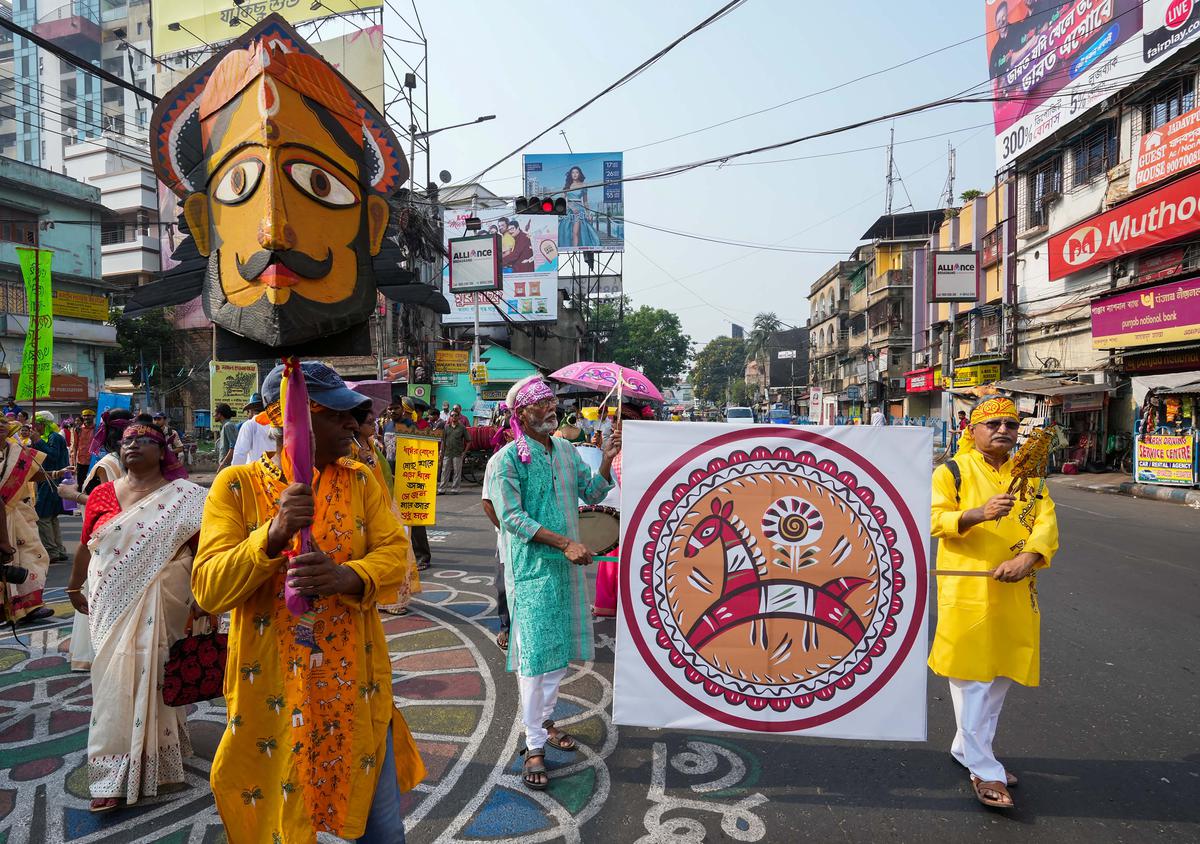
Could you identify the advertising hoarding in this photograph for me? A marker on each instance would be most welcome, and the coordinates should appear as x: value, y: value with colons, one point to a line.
x: 955, y: 277
x: 601, y: 286
x: 1167, y: 151
x: 474, y: 263
x: 231, y: 382
x: 1168, y: 313
x: 591, y: 183
x: 1149, y: 220
x: 974, y: 376
x: 1165, y: 460
x: 358, y: 56
x: 1050, y: 62
x: 206, y: 22
x: 922, y: 381
x: 528, y: 259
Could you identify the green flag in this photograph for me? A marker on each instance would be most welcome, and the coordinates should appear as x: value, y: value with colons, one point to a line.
x: 37, y: 364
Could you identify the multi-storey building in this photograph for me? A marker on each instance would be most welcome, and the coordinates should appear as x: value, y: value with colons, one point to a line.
x: 828, y: 341
x: 39, y: 207
x: 55, y: 116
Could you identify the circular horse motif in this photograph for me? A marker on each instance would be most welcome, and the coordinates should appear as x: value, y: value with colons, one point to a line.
x: 772, y: 577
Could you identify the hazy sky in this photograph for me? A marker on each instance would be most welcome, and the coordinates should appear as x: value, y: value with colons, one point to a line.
x: 531, y: 61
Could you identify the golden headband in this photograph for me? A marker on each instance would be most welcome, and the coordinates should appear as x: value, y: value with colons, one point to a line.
x: 994, y: 408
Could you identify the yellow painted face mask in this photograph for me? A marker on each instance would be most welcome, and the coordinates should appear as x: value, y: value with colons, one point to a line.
x: 283, y: 168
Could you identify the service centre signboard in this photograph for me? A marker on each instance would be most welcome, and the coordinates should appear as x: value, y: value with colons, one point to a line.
x: 955, y: 277
x: 1168, y: 313
x: 1157, y: 217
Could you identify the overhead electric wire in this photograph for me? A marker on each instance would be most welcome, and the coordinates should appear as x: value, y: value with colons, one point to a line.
x: 711, y: 19
x: 726, y: 242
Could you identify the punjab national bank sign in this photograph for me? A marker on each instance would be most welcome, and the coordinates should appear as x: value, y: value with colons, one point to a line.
x: 1157, y: 217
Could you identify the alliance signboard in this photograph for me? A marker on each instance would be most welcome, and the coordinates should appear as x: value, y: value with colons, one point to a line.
x: 1167, y: 313
x: 955, y: 277
x: 475, y: 263
x: 1159, y: 216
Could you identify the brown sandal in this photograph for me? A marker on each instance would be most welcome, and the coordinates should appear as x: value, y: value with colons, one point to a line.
x: 996, y: 788
x: 100, y: 805
x: 535, y: 771
x: 563, y: 741
x: 1013, y: 782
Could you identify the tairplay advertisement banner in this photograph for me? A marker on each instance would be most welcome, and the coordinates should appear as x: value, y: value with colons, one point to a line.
x: 1149, y: 220
x: 1049, y: 62
x: 37, y: 361
x: 1168, y: 313
x: 528, y: 261
x: 206, y: 22
x: 591, y: 184
x: 774, y: 579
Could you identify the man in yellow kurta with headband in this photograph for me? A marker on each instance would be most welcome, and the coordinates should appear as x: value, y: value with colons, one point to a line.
x: 988, y: 626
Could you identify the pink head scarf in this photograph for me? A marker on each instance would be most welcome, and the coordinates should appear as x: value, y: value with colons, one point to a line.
x: 524, y: 393
x: 172, y: 469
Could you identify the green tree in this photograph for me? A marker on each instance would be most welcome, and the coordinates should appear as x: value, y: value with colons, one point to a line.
x: 652, y: 340
x: 149, y: 337
x: 718, y: 367
x: 758, y: 343
x: 970, y: 194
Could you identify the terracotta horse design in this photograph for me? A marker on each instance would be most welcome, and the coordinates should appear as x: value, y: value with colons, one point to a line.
x: 746, y: 597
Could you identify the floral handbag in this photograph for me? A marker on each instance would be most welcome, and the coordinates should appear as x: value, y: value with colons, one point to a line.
x: 195, y: 667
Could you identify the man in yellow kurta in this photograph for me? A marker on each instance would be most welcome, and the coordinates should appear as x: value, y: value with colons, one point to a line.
x: 314, y: 740
x: 988, y: 627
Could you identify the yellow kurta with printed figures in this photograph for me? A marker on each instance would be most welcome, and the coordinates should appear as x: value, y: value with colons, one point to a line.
x: 988, y: 629
x: 307, y: 726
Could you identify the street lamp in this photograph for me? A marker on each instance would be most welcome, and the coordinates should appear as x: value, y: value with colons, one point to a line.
x: 424, y: 135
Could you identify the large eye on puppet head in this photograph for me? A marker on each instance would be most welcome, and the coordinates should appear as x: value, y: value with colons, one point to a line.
x: 320, y: 184
x: 239, y: 182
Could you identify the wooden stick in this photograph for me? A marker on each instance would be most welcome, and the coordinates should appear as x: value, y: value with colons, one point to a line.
x: 959, y: 573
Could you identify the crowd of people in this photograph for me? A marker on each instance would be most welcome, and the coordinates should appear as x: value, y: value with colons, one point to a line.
x: 302, y: 572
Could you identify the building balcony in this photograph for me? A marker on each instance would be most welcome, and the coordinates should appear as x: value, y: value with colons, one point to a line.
x: 131, y: 191
x: 71, y: 31
x: 137, y: 254
x: 890, y: 278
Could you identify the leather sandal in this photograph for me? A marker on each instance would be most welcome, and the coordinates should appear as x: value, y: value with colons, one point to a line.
x: 530, y: 773
x: 563, y: 741
x: 1011, y: 779
x: 992, y: 794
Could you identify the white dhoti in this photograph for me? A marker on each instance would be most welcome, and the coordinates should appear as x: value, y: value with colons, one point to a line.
x: 977, y: 708
x: 539, y: 696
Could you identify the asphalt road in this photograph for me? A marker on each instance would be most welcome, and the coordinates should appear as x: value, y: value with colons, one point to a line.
x: 1107, y: 748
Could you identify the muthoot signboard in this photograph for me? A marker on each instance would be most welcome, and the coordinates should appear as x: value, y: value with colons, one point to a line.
x: 475, y: 263
x: 1159, y: 216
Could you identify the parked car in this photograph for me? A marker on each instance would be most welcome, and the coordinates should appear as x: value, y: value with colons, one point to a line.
x: 741, y: 415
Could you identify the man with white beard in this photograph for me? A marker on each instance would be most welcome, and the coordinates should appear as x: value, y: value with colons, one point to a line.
x: 536, y: 485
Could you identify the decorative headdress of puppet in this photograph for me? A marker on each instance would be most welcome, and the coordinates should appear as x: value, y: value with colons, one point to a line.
x: 283, y: 168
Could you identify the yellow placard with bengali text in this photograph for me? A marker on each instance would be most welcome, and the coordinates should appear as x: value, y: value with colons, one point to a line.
x: 232, y: 382
x: 415, y: 486
x: 447, y: 360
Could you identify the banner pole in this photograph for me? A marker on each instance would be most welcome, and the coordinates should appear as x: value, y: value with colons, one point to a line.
x: 35, y: 314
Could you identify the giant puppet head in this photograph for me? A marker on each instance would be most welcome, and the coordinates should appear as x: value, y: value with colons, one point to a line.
x: 283, y: 168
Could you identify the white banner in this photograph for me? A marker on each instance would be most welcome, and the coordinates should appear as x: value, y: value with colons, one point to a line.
x: 774, y: 579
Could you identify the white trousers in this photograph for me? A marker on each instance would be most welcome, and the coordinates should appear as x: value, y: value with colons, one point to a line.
x: 539, y: 695
x: 977, y: 708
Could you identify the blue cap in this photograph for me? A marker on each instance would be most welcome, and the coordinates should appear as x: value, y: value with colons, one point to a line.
x: 255, y: 398
x: 325, y: 387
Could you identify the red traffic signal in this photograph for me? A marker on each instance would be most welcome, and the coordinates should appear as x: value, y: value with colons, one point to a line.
x: 541, y: 205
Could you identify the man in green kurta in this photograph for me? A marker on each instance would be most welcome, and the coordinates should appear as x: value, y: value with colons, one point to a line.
x: 536, y: 487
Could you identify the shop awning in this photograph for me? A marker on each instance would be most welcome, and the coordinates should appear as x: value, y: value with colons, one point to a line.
x: 1052, y: 387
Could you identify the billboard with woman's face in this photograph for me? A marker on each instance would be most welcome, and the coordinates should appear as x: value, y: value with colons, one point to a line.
x: 591, y: 184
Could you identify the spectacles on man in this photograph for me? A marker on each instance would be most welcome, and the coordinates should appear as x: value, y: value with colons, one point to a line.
x: 1007, y: 424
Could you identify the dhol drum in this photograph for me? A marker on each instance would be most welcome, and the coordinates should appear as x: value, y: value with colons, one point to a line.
x: 593, y: 456
x: 599, y: 528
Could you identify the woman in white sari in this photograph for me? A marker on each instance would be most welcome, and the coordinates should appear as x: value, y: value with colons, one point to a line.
x: 136, y: 554
x: 106, y: 466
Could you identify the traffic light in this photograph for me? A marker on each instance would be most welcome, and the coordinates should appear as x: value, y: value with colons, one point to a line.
x: 541, y: 205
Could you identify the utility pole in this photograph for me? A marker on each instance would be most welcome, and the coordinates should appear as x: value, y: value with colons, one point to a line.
x: 891, y: 180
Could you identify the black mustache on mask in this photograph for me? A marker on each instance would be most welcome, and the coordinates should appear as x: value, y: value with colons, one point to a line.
x: 302, y: 265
